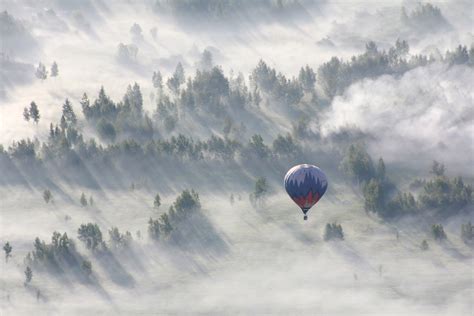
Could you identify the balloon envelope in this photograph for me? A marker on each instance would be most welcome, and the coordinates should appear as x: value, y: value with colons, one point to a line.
x: 305, y: 184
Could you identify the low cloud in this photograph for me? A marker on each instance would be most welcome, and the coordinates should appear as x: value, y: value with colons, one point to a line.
x: 424, y: 115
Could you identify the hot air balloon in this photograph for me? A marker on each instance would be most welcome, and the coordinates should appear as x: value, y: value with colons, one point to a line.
x: 305, y: 184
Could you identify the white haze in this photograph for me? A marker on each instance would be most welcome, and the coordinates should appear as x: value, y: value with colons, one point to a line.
x: 426, y: 113
x: 261, y: 262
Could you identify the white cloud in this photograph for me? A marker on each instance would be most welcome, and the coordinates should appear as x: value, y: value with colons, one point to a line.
x: 426, y: 114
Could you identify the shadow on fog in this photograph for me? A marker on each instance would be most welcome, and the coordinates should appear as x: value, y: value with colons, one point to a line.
x: 114, y: 269
x: 197, y: 235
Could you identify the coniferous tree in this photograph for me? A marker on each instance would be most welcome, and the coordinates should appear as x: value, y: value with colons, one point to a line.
x: 28, y: 275
x: 333, y: 231
x: 68, y: 113
x: 165, y: 225
x: 26, y: 114
x: 54, y: 69
x: 136, y: 31
x: 438, y: 232
x: 257, y: 147
x: 374, y: 196
x: 437, y: 169
x: 83, y: 200
x: 157, y: 201
x: 118, y: 240
x: 424, y: 245
x: 91, y: 201
x: 34, y: 112
x: 206, y: 62
x: 157, y: 80
x: 47, y: 196
x: 357, y: 164
x: 63, y: 123
x: 256, y: 97
x: 261, y: 187
x: 41, y: 72
x: 86, y: 267
x: 307, y: 78
x: 177, y: 79
x: 381, y: 170
x: 154, y: 229
x: 85, y: 104
x: 91, y: 235
x: 8, y: 250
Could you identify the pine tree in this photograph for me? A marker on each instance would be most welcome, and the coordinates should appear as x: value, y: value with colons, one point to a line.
x: 157, y: 201
x: 437, y: 169
x: 86, y: 267
x: 68, y: 113
x: 85, y: 104
x: 63, y: 123
x: 91, y: 201
x: 91, y: 235
x: 381, y: 170
x: 28, y: 275
x: 34, y: 112
x: 165, y: 225
x: 54, y: 69
x: 177, y: 79
x: 26, y: 114
x: 438, y: 232
x: 154, y: 229
x: 256, y: 97
x: 83, y: 200
x: 41, y: 72
x: 261, y: 187
x: 8, y: 250
x: 307, y: 78
x: 424, y: 245
x: 333, y: 231
x: 206, y: 60
x: 47, y: 196
x: 157, y: 80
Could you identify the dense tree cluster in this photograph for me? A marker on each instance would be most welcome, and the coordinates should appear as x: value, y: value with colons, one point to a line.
x: 357, y: 164
x: 184, y: 206
x: 425, y: 17
x: 441, y: 194
x: 118, y: 240
x: 59, y: 255
x: 218, y: 9
x: 336, y: 75
x: 127, y: 53
x: 91, y: 235
x: 276, y: 85
x: 446, y: 195
x: 438, y: 233
x: 333, y: 231
x: 32, y: 113
x: 257, y: 197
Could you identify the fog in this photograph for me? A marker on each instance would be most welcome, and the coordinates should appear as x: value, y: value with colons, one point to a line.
x: 427, y: 118
x: 244, y: 110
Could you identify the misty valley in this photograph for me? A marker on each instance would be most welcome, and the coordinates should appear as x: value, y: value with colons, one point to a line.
x: 148, y: 149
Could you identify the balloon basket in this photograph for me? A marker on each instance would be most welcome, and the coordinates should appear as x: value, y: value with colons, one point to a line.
x: 305, y: 217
